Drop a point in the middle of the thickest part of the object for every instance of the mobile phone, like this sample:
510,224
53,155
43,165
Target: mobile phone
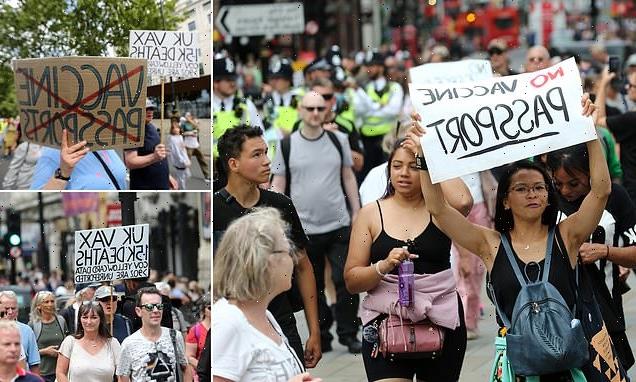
614,64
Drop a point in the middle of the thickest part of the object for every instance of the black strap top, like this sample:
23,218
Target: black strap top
432,245
507,288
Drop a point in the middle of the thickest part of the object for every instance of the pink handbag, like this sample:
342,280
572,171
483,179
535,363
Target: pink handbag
402,338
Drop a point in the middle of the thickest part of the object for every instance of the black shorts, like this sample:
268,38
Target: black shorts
444,368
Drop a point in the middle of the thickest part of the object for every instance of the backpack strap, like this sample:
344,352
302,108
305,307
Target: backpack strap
334,139
285,147
500,312
177,367
548,255
513,261
108,172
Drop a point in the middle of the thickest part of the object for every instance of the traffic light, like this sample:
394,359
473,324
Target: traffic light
13,237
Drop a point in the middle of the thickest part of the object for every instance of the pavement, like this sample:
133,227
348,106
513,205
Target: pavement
340,366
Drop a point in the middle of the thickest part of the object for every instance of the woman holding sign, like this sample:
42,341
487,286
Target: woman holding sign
384,235
528,246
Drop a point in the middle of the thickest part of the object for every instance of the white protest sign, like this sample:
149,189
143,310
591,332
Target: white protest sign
451,72
169,53
483,124
111,253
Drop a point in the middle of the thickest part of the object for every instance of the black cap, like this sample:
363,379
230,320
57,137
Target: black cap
373,58
281,69
318,64
334,56
223,68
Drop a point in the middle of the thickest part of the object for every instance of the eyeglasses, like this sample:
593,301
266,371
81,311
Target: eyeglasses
311,109
327,97
536,59
539,188
151,307
495,50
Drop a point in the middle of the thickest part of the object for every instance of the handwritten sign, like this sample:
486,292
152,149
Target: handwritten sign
451,72
111,253
169,53
97,99
483,124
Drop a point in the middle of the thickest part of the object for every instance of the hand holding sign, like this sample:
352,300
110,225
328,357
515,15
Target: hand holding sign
413,135
160,152
69,156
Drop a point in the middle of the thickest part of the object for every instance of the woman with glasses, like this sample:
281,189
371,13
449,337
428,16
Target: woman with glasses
253,264
526,214
49,329
395,228
91,355
195,340
609,249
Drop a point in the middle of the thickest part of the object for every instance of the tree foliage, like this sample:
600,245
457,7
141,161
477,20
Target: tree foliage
53,28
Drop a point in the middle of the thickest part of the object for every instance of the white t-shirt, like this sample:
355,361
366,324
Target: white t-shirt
242,353
147,361
85,367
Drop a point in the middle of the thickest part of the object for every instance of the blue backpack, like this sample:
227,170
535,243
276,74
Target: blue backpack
543,337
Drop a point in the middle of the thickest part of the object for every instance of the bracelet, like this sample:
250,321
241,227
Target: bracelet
607,254
376,266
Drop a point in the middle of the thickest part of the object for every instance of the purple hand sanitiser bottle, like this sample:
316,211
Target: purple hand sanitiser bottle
406,280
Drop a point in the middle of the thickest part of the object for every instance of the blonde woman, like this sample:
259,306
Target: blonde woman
49,329
252,265
91,355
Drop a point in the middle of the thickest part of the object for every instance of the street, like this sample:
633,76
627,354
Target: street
340,366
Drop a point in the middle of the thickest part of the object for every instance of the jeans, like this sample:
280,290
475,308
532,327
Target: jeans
333,246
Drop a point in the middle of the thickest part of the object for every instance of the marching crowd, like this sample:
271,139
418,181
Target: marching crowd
135,331
330,175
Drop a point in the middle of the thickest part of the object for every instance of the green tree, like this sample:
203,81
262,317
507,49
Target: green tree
8,106
52,28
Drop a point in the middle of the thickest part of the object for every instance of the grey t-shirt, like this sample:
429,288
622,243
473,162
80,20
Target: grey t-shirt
146,361
315,181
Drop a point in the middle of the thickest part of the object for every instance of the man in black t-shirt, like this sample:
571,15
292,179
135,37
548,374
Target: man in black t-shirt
244,162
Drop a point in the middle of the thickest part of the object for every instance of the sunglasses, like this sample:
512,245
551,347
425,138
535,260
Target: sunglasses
493,51
107,299
327,97
151,307
311,109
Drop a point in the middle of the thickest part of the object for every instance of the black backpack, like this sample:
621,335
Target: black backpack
543,337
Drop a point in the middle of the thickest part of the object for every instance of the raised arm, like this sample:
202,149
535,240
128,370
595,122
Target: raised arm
457,195
578,227
479,240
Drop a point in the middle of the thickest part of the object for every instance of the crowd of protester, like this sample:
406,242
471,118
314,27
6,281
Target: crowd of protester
155,328
329,142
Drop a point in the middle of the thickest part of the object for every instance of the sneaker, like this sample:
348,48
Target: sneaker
471,335
353,345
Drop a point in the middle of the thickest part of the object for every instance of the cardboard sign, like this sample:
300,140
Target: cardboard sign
111,253
98,99
169,53
480,125
451,72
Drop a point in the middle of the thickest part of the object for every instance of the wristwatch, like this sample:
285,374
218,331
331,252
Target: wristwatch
58,175
420,163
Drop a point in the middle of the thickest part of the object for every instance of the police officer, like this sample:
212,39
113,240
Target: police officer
230,109
282,102
379,105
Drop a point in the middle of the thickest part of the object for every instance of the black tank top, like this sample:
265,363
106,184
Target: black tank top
507,287
432,245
